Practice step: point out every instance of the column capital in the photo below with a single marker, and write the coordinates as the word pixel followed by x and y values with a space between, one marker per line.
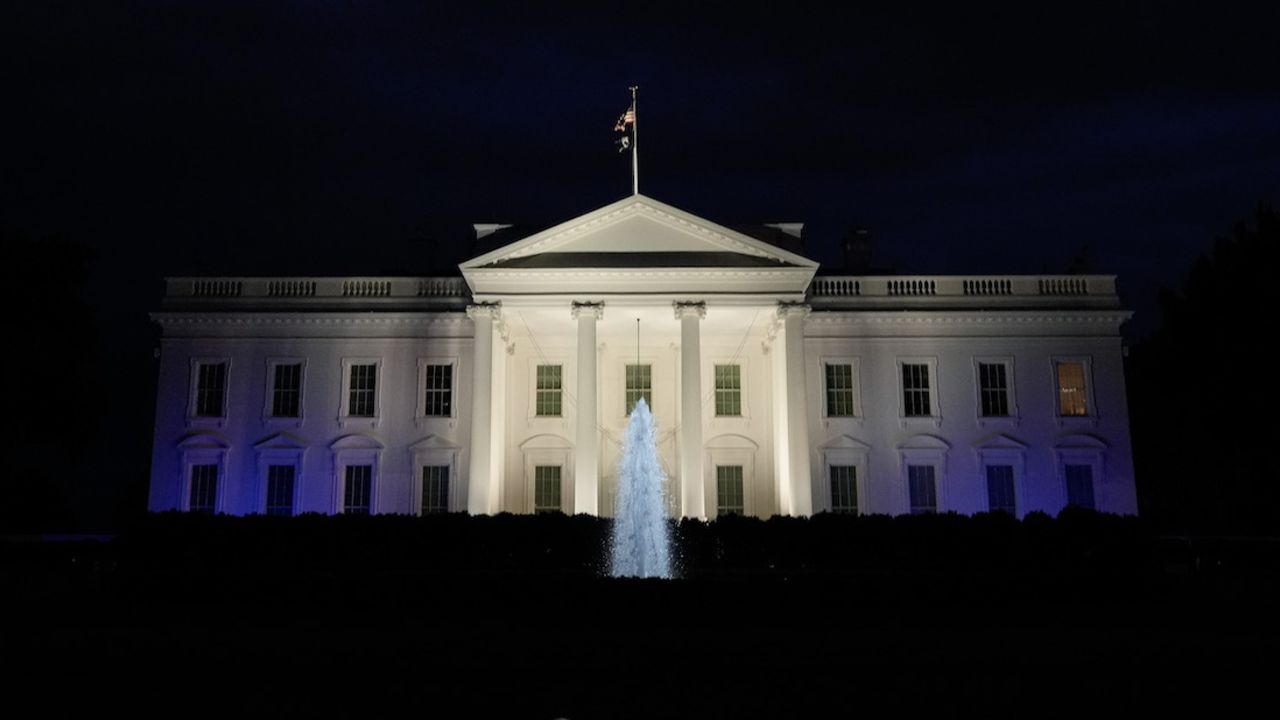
pixel 490 310
pixel 593 309
pixel 793 308
pixel 690 309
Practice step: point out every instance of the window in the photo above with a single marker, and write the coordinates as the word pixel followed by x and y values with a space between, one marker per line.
pixel 840 401
pixel 204 488
pixel 844 489
pixel 211 389
pixel 363 387
pixel 728 391
pixel 1079 486
pixel 280 489
pixel 1072 393
pixel 915 390
pixel 922 488
pixel 435 489
pixel 547 400
pixel 639 385
pixel 546 488
pixel 1000 496
pixel 729 489
pixel 357 489
pixel 438 392
pixel 993 389
pixel 286 390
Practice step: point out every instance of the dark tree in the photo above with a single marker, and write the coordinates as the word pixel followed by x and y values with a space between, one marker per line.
pixel 52 394
pixel 1203 393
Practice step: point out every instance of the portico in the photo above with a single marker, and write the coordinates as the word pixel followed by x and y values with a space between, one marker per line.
pixel 639 298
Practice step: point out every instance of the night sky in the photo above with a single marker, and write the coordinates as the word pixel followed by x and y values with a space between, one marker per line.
pixel 347 138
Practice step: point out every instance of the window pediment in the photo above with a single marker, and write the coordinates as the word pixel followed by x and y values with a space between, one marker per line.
pixel 924 442
pixel 433 442
pixel 545 441
pixel 846 442
pixel 203 441
pixel 281 441
pixel 1000 441
pixel 732 441
pixel 1080 441
pixel 356 442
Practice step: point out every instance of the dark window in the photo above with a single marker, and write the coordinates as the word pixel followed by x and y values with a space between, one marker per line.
pixel 280 489
pixel 286 391
pixel 729 490
pixel 211 388
pixel 923 489
pixel 364 385
pixel 915 391
pixel 839 390
pixel 546 488
pixel 435 489
pixel 844 489
pixel 357 490
pixel 639 385
pixel 439 391
pixel 1000 497
pixel 547 396
pixel 204 488
pixel 993 385
pixel 728 390
pixel 1080 486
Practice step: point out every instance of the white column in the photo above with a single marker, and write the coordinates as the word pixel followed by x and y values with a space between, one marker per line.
pixel 690 315
pixel 776 347
pixel 793 315
pixel 480 495
pixel 586 464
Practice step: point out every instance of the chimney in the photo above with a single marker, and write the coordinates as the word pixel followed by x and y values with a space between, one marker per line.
pixel 857 251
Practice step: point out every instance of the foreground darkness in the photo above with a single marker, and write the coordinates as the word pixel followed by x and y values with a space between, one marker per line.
pixel 509 615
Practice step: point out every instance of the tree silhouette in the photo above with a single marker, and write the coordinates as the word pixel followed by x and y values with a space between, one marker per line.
pixel 1202 393
pixel 52 392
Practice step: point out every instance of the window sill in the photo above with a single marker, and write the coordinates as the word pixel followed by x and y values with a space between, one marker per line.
pixel 359 421
pixel 852 421
pixel 932 421
pixel 206 422
pixel 1006 421
pixel 273 421
pixel 1082 421
pixel 435 421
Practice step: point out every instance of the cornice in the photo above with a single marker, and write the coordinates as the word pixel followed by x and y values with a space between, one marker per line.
pixel 920 317
pixel 178 319
pixel 649 273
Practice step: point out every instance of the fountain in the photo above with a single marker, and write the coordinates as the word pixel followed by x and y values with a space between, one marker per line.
pixel 641 539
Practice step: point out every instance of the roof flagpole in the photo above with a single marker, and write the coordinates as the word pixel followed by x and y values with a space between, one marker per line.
pixel 635 142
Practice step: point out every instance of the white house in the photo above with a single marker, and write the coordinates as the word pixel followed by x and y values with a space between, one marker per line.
pixel 507 389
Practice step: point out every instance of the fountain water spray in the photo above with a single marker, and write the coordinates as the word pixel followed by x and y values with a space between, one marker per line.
pixel 641 538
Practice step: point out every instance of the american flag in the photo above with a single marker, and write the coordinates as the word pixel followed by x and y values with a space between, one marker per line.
pixel 627 118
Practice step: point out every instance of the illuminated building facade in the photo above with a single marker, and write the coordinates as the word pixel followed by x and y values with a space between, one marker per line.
pixel 776 390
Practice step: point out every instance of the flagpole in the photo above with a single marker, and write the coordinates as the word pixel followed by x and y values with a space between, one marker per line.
pixel 635 142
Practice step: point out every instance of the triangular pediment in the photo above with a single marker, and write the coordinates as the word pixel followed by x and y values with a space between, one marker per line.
pixel 846 442
pixel 1001 441
pixel 433 442
pixel 638 231
pixel 281 441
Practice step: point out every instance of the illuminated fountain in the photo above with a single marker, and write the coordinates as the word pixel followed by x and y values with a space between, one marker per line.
pixel 641 539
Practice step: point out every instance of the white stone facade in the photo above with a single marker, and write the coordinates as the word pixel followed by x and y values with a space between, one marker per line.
pixel 506 390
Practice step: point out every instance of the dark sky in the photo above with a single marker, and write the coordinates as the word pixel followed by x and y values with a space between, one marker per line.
pixel 316 137
pixel 342 138
pixel 199 137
